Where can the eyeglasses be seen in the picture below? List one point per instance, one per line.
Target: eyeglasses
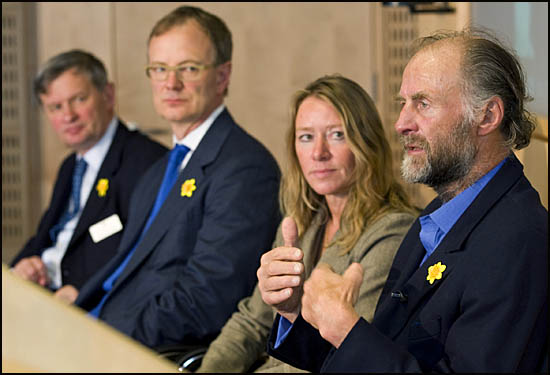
(187, 72)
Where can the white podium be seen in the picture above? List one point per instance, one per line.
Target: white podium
(42, 334)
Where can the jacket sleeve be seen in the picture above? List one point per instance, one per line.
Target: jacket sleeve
(303, 347)
(41, 239)
(375, 252)
(243, 338)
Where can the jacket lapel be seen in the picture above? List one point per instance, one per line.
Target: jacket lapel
(95, 204)
(418, 286)
(391, 314)
(450, 249)
(412, 282)
(175, 204)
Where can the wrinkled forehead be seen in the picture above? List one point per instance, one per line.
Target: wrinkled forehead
(186, 41)
(434, 68)
(73, 78)
(445, 55)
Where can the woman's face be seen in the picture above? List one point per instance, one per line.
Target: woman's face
(323, 152)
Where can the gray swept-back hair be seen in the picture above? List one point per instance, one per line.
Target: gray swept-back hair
(488, 69)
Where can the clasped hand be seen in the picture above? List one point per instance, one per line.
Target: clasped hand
(325, 300)
(281, 274)
(328, 300)
(33, 269)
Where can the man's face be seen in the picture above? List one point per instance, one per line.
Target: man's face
(437, 137)
(182, 103)
(77, 110)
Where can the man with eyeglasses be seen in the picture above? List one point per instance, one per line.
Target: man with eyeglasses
(201, 217)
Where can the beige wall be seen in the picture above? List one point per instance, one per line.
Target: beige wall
(62, 26)
(535, 159)
(278, 48)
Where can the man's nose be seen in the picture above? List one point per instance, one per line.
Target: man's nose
(406, 121)
(173, 80)
(69, 114)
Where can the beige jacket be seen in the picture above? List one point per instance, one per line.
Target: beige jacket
(243, 338)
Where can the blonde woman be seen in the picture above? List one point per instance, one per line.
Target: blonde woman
(344, 202)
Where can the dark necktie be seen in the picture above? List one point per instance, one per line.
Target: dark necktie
(170, 176)
(78, 174)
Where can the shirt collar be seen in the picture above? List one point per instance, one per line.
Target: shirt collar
(448, 214)
(193, 139)
(94, 156)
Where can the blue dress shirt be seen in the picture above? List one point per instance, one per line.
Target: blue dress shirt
(436, 225)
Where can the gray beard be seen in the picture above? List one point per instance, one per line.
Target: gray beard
(451, 159)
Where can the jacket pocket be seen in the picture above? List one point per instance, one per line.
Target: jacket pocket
(425, 343)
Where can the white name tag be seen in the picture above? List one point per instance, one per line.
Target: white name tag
(105, 228)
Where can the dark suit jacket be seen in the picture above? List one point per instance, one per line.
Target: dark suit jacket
(129, 155)
(200, 255)
(488, 312)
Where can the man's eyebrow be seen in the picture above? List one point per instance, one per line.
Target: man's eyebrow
(398, 98)
(416, 96)
(419, 96)
(73, 96)
(188, 61)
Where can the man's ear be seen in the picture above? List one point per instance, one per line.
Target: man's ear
(109, 94)
(223, 72)
(492, 116)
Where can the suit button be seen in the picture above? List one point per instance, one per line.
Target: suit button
(65, 273)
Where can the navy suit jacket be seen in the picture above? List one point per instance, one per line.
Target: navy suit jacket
(488, 312)
(200, 255)
(129, 155)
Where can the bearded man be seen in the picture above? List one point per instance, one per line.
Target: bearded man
(468, 288)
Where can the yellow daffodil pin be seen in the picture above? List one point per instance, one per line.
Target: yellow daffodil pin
(188, 187)
(102, 187)
(435, 272)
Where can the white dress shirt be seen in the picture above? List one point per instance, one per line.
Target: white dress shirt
(193, 139)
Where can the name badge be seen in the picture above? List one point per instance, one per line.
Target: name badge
(105, 228)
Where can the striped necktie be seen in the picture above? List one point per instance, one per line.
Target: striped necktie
(72, 209)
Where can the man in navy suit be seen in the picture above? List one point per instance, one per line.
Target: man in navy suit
(185, 262)
(78, 101)
(468, 288)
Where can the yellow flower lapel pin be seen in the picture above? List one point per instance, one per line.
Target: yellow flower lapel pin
(435, 272)
(102, 187)
(188, 187)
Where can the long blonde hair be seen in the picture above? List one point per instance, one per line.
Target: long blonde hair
(374, 190)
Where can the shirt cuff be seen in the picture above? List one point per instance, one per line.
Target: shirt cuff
(282, 331)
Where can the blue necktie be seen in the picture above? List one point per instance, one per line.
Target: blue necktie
(170, 176)
(78, 174)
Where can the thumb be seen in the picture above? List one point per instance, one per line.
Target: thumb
(354, 275)
(290, 232)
